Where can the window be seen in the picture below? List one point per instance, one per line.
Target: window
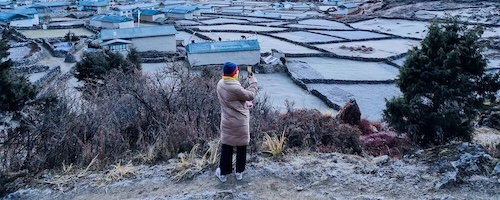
(118, 47)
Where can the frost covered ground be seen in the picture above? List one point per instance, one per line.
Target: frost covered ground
(40, 33)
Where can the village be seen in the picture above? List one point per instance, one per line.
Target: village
(328, 61)
(306, 55)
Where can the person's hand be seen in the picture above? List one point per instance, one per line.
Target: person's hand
(249, 104)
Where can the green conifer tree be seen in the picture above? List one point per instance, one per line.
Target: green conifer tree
(15, 89)
(444, 83)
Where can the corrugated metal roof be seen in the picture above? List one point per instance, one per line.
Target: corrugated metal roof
(182, 9)
(8, 17)
(134, 6)
(225, 46)
(94, 3)
(148, 12)
(112, 19)
(137, 32)
(120, 41)
(25, 11)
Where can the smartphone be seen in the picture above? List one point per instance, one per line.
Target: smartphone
(249, 70)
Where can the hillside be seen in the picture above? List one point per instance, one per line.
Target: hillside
(455, 171)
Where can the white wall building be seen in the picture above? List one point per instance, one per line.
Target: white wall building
(146, 38)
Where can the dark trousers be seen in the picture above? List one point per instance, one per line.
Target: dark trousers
(226, 159)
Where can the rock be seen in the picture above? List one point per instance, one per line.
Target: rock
(456, 162)
(69, 58)
(365, 197)
(381, 160)
(496, 170)
(299, 188)
(350, 113)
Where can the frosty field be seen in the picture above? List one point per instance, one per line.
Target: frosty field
(370, 97)
(266, 43)
(352, 35)
(238, 28)
(403, 28)
(223, 20)
(187, 37)
(324, 24)
(40, 33)
(340, 69)
(381, 48)
(279, 87)
(302, 36)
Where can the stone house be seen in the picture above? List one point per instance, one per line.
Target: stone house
(147, 38)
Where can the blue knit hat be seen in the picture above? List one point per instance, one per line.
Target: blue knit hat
(229, 69)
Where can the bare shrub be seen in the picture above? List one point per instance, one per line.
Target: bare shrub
(311, 129)
(127, 115)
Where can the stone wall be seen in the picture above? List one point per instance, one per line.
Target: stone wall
(159, 56)
(51, 74)
(32, 59)
(29, 69)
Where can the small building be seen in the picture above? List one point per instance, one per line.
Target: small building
(242, 52)
(97, 6)
(206, 9)
(111, 22)
(302, 6)
(265, 15)
(127, 10)
(146, 38)
(183, 12)
(334, 2)
(237, 2)
(117, 45)
(148, 15)
(346, 9)
(26, 17)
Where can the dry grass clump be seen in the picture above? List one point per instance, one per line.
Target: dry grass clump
(274, 145)
(489, 138)
(194, 162)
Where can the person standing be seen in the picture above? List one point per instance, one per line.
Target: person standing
(235, 102)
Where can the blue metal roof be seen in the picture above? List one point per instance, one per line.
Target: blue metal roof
(225, 46)
(112, 19)
(137, 32)
(25, 11)
(94, 3)
(182, 9)
(8, 17)
(116, 41)
(148, 12)
(135, 6)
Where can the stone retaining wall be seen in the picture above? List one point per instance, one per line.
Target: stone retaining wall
(32, 59)
(337, 81)
(51, 74)
(29, 69)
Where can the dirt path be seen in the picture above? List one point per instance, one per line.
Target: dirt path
(298, 176)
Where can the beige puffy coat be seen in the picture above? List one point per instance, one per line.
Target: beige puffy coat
(235, 116)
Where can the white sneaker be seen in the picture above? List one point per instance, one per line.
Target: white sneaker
(222, 178)
(238, 176)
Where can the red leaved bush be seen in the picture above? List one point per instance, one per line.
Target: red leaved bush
(384, 143)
